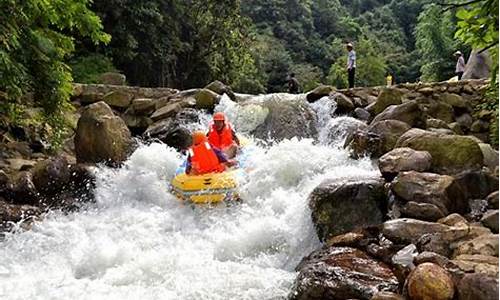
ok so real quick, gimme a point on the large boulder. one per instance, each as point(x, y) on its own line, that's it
point(340, 207)
point(101, 136)
point(167, 111)
point(439, 110)
point(450, 153)
point(112, 78)
point(403, 159)
point(341, 273)
point(490, 220)
point(386, 98)
point(287, 119)
point(170, 132)
point(476, 184)
point(142, 106)
point(319, 92)
point(410, 230)
point(220, 88)
point(206, 99)
point(51, 175)
point(344, 104)
point(490, 156)
point(478, 65)
point(118, 99)
point(454, 100)
point(440, 191)
point(478, 286)
point(408, 112)
point(378, 139)
point(22, 190)
point(430, 281)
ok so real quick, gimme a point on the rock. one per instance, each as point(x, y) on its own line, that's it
point(287, 119)
point(136, 124)
point(101, 136)
point(83, 181)
point(378, 138)
point(167, 111)
point(409, 230)
point(454, 100)
point(440, 110)
point(11, 213)
point(362, 114)
point(478, 286)
point(453, 220)
point(23, 190)
point(52, 175)
point(340, 207)
point(112, 78)
point(350, 239)
point(403, 159)
point(483, 264)
point(143, 106)
point(490, 220)
point(465, 122)
point(18, 164)
point(480, 126)
point(490, 156)
point(478, 65)
point(206, 99)
point(492, 200)
point(456, 128)
point(341, 273)
point(220, 88)
point(408, 112)
point(386, 98)
point(171, 133)
point(476, 184)
point(434, 242)
point(421, 211)
point(430, 281)
point(486, 244)
point(344, 104)
point(431, 257)
point(118, 99)
point(436, 123)
point(438, 190)
point(319, 92)
point(387, 296)
point(450, 153)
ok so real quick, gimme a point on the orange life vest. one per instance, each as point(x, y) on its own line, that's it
point(204, 160)
point(223, 139)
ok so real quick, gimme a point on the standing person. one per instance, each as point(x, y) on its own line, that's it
point(351, 64)
point(460, 68)
point(293, 84)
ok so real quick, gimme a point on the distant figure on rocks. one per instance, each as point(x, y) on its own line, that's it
point(293, 84)
point(351, 64)
point(460, 68)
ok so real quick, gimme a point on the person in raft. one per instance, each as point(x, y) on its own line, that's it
point(221, 135)
point(203, 158)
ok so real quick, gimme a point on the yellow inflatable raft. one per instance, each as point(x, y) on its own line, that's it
point(206, 188)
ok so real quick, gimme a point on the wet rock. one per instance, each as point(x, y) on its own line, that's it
point(486, 244)
point(408, 112)
point(344, 104)
point(436, 123)
point(483, 264)
point(403, 159)
point(492, 200)
point(52, 175)
point(142, 106)
point(378, 139)
point(170, 132)
point(430, 281)
point(112, 78)
point(319, 92)
point(438, 190)
point(23, 190)
point(19, 164)
point(362, 114)
point(386, 98)
point(118, 99)
point(476, 184)
point(342, 273)
point(220, 88)
point(490, 156)
point(478, 286)
point(387, 296)
point(490, 220)
point(431, 257)
point(206, 99)
point(450, 153)
point(11, 213)
point(83, 181)
point(167, 111)
point(421, 211)
point(136, 124)
point(409, 230)
point(287, 119)
point(340, 207)
point(350, 239)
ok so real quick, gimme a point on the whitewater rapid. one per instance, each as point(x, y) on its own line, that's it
point(139, 242)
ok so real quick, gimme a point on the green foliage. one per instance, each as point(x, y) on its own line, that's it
point(36, 37)
point(309, 76)
point(435, 44)
point(87, 68)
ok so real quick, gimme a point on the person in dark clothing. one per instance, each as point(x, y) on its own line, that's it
point(293, 84)
point(351, 65)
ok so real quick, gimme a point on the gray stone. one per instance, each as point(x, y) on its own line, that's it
point(112, 78)
point(490, 220)
point(362, 114)
point(408, 112)
point(403, 159)
point(478, 65)
point(478, 287)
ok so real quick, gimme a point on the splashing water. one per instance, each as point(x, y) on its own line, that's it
point(139, 242)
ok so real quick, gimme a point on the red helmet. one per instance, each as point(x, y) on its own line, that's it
point(219, 116)
point(199, 137)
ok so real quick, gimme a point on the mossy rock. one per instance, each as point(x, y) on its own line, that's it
point(386, 98)
point(206, 99)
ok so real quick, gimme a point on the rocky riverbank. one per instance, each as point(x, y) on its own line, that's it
point(427, 228)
